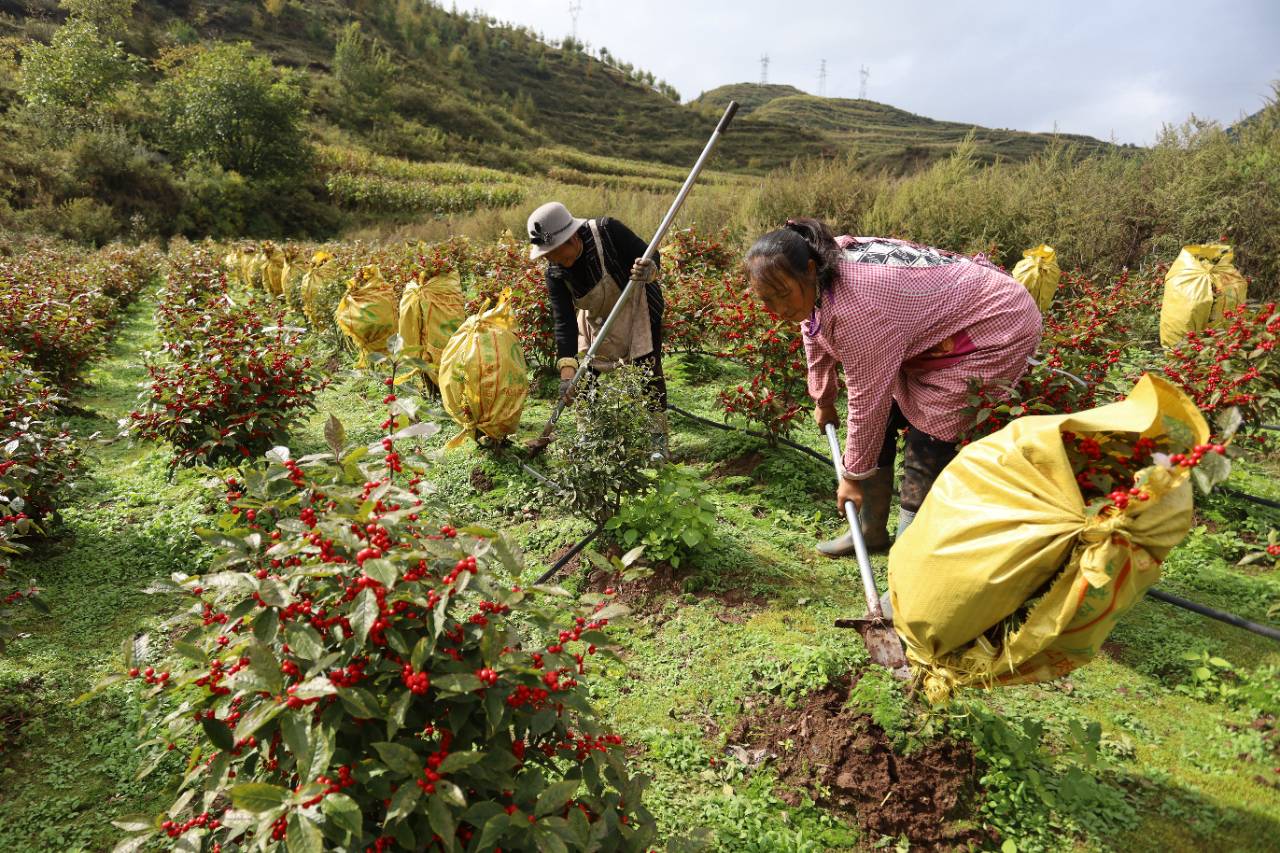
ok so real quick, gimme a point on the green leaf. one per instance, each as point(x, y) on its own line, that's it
point(264, 664)
point(258, 797)
point(335, 435)
point(190, 651)
point(1220, 663)
point(383, 571)
point(364, 612)
point(265, 626)
point(458, 682)
point(440, 817)
point(304, 642)
point(494, 827)
point(1008, 846)
point(456, 761)
point(274, 593)
point(304, 836)
point(399, 710)
point(218, 732)
point(262, 714)
point(404, 801)
point(421, 651)
point(294, 731)
point(554, 797)
point(344, 813)
point(400, 758)
point(360, 702)
point(691, 536)
point(452, 793)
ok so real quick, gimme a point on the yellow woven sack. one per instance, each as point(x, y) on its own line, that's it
point(1202, 283)
point(289, 278)
point(483, 380)
point(251, 264)
point(232, 262)
point(367, 312)
point(1005, 518)
point(272, 269)
point(1038, 271)
point(315, 283)
point(430, 312)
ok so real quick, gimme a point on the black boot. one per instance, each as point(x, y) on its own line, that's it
point(877, 490)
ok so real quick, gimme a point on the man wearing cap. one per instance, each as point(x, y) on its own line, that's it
point(588, 264)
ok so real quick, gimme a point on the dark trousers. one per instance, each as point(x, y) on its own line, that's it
point(922, 462)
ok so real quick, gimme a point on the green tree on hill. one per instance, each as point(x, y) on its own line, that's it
point(227, 105)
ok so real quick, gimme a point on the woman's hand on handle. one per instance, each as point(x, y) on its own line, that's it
point(849, 490)
point(823, 414)
point(566, 376)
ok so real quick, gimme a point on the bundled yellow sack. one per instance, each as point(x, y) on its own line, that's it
point(1006, 518)
point(232, 262)
point(289, 278)
point(430, 312)
point(272, 269)
point(1202, 283)
point(483, 379)
point(251, 265)
point(367, 312)
point(315, 283)
point(1038, 271)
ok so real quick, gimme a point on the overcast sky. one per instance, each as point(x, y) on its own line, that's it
point(1109, 70)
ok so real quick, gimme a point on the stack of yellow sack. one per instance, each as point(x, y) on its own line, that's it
point(1202, 283)
point(367, 312)
point(272, 269)
point(483, 380)
point(1005, 519)
point(1038, 271)
point(316, 282)
point(430, 313)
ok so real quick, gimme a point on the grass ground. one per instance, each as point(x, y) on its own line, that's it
point(746, 626)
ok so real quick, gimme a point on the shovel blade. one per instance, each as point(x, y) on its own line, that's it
point(882, 644)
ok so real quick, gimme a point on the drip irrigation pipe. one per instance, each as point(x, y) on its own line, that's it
point(572, 552)
point(1248, 497)
point(783, 441)
point(1212, 613)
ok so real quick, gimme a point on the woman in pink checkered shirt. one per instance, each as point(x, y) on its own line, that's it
point(910, 325)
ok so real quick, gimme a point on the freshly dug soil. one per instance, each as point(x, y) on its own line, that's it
point(738, 466)
point(846, 762)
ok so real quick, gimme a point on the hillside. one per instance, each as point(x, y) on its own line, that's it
point(883, 136)
point(375, 90)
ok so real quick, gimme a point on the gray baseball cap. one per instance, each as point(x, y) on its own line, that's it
point(550, 226)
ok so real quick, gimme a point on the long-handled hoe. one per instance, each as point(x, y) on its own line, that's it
point(537, 445)
point(877, 634)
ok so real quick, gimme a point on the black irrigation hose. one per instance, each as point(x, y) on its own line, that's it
point(1248, 497)
point(1212, 613)
point(786, 442)
point(1272, 427)
point(573, 552)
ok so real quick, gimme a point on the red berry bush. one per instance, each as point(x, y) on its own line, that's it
point(231, 377)
point(1235, 364)
point(57, 307)
point(505, 265)
point(361, 674)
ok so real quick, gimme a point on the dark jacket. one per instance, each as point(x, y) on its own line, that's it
point(621, 249)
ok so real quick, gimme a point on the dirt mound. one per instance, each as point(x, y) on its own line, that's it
point(664, 582)
point(480, 481)
point(846, 762)
point(738, 466)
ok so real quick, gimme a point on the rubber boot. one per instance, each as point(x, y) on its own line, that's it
point(877, 490)
point(905, 517)
point(659, 439)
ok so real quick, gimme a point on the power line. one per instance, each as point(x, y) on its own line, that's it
point(864, 72)
point(822, 79)
point(764, 69)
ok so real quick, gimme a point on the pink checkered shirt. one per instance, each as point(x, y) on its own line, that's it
point(880, 318)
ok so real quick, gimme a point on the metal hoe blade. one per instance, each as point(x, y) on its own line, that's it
point(878, 636)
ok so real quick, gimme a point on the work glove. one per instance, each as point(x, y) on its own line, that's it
point(565, 384)
point(643, 271)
